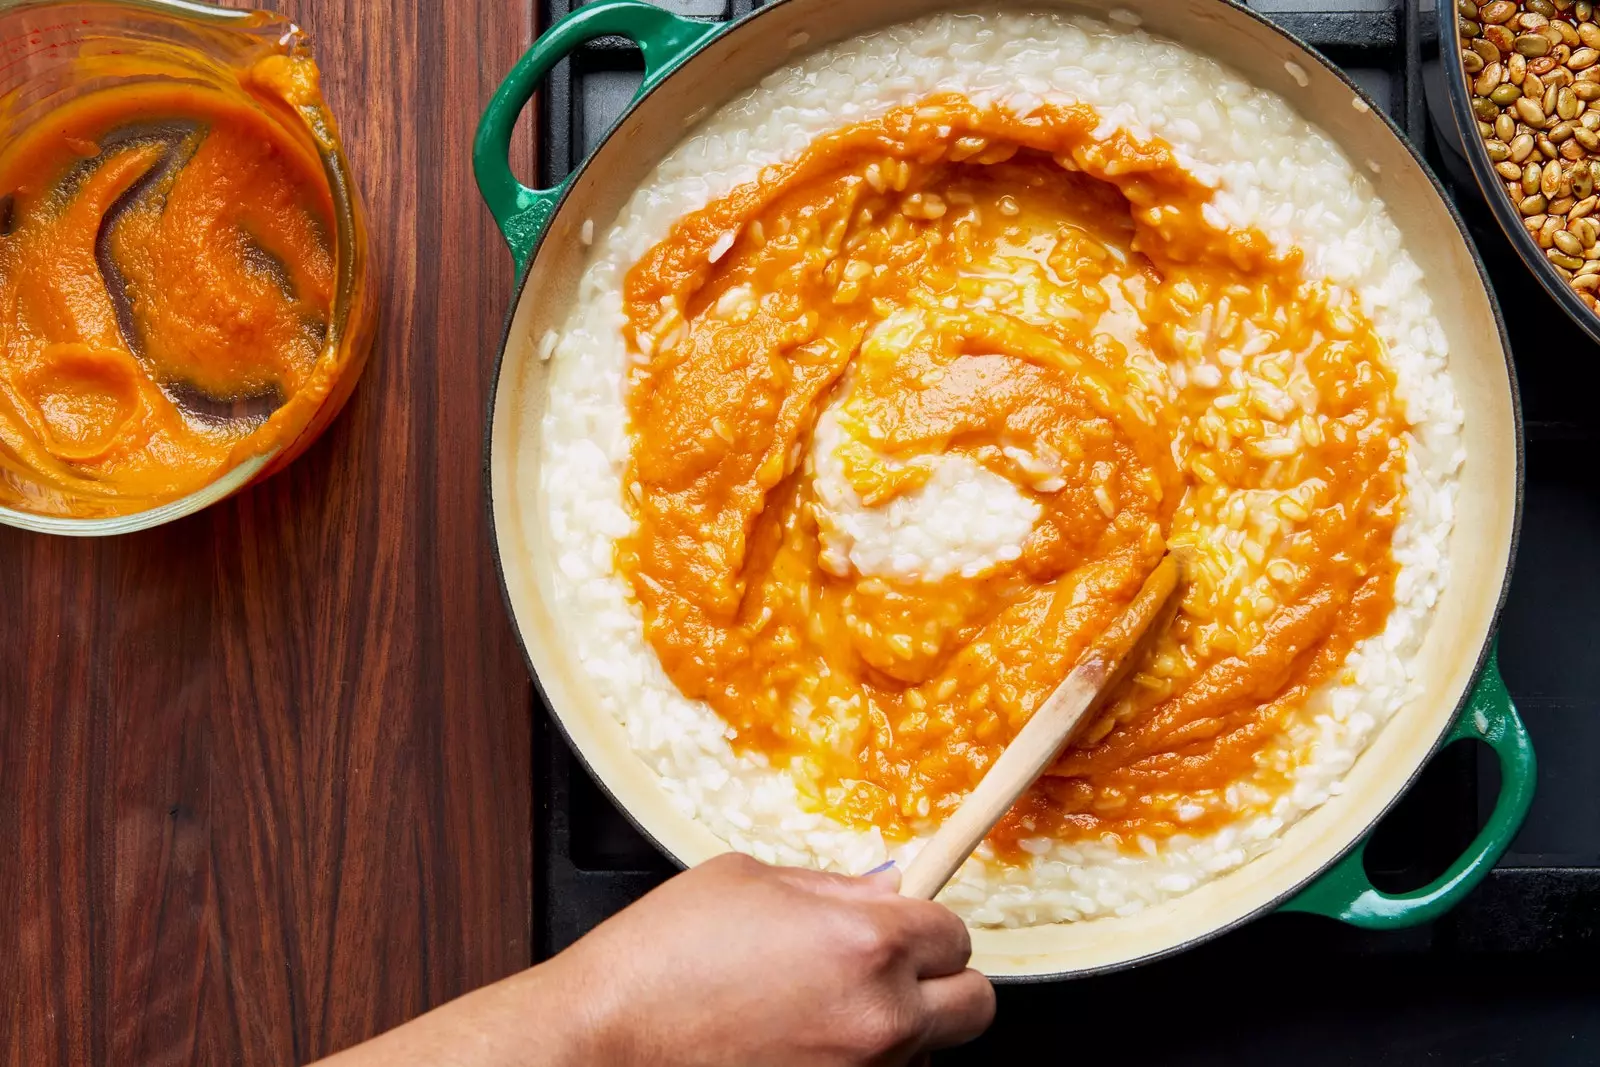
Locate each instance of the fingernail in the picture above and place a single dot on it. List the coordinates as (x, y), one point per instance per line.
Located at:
(879, 869)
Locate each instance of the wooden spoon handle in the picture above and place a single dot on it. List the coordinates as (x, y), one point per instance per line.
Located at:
(1039, 741)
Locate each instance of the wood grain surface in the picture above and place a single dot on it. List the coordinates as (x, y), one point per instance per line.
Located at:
(265, 772)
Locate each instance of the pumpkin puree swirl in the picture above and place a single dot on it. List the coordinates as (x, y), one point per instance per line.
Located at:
(1066, 309)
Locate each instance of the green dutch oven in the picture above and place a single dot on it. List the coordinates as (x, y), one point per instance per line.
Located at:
(691, 68)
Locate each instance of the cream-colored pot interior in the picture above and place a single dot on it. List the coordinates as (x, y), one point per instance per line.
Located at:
(1479, 549)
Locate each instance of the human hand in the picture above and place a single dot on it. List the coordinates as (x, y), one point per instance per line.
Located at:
(735, 963)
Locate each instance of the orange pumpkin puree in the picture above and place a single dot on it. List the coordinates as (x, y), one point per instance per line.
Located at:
(166, 280)
(1066, 311)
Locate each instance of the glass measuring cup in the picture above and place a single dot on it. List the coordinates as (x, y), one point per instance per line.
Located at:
(53, 52)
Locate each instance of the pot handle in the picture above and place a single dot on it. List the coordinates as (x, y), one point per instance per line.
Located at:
(664, 38)
(1344, 893)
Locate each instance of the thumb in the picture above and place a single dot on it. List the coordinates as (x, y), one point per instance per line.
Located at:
(885, 878)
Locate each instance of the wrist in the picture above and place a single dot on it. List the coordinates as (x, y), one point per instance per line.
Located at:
(577, 1021)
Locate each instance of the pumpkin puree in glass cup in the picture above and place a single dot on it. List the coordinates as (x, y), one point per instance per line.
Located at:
(167, 275)
(1063, 310)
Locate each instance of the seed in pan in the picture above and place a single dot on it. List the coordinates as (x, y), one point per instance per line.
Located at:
(1521, 147)
(1550, 181)
(1542, 7)
(1569, 244)
(1532, 87)
(1587, 202)
(1547, 148)
(1560, 206)
(1498, 38)
(1586, 91)
(1467, 9)
(1561, 259)
(1532, 21)
(1583, 186)
(1567, 103)
(1471, 62)
(1505, 127)
(1560, 132)
(1529, 44)
(1571, 151)
(1488, 78)
(1498, 150)
(1528, 111)
(1588, 139)
(1497, 12)
(1582, 59)
(1589, 34)
(1542, 66)
(1503, 94)
(1532, 205)
(1531, 175)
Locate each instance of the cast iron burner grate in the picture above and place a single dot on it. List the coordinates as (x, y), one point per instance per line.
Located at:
(1477, 984)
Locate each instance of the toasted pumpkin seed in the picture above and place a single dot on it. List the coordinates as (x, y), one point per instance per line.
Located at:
(1568, 244)
(1521, 147)
(1503, 94)
(1497, 12)
(1532, 205)
(1562, 259)
(1560, 132)
(1529, 44)
(1528, 111)
(1505, 127)
(1533, 87)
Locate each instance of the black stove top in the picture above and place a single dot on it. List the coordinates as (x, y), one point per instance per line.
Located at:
(1499, 980)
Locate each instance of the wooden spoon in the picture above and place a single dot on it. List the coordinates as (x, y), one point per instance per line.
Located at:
(1036, 746)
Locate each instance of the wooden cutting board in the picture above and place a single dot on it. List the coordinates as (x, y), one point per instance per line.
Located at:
(265, 772)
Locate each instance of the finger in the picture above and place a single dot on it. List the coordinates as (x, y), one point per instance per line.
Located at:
(936, 941)
(885, 879)
(957, 1008)
(879, 882)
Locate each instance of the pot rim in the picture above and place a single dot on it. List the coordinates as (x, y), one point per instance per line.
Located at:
(1485, 650)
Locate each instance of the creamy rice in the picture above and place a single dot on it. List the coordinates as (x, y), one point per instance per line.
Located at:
(1271, 171)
